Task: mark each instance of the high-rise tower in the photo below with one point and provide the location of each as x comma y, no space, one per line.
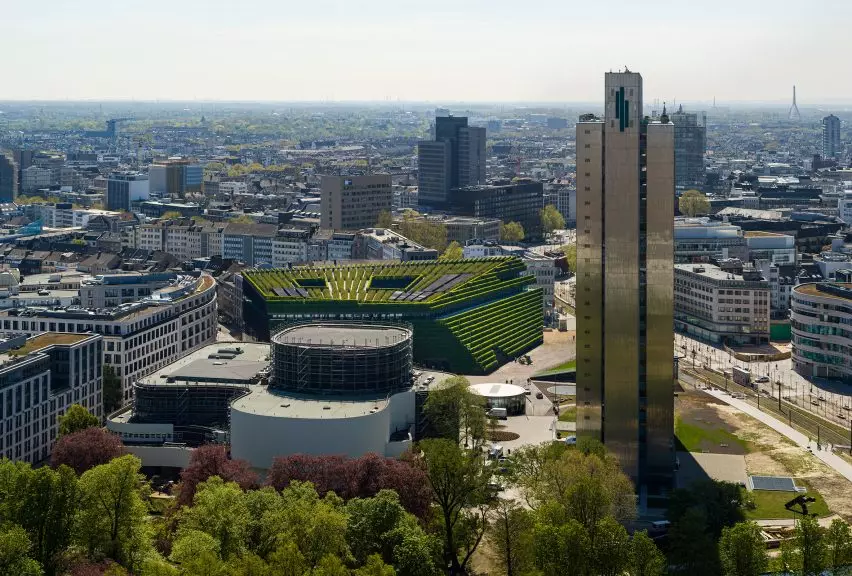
625,202
794,110
8,177
454,159
830,137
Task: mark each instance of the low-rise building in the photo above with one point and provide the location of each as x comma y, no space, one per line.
703,240
721,307
777,248
821,326
385,244
40,378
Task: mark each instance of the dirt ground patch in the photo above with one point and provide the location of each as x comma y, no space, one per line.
771,453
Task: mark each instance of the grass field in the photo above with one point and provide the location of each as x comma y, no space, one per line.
696,439
770,504
568,414
569,365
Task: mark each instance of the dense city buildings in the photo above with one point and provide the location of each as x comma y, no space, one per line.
454,159
625,196
720,306
354,202
702,240
124,188
518,201
175,177
8,177
690,146
820,317
830,136
40,378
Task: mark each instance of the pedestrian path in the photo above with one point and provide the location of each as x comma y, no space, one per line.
831,459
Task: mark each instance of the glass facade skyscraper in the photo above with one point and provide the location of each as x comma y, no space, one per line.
625,202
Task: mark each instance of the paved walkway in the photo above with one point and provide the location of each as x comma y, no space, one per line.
832,460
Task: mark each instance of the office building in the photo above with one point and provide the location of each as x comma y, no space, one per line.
124,188
40,378
625,202
703,240
722,307
35,178
454,159
830,137
516,201
354,202
175,177
690,130
384,244
777,248
820,319
8,178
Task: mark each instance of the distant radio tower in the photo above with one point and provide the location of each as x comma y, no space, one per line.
794,110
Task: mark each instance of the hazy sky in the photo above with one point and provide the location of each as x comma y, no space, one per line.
458,50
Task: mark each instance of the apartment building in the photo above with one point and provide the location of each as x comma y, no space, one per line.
290,245
354,202
821,326
384,244
139,337
40,377
718,306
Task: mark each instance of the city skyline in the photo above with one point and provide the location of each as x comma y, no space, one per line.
333,51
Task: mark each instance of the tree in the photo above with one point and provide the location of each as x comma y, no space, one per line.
719,502
692,203
838,540
570,251
111,519
551,219
197,553
15,549
562,549
453,252
76,418
511,232
375,566
811,543
691,547
85,449
219,510
112,390
742,550
454,411
645,558
212,460
171,215
512,537
610,548
385,220
458,481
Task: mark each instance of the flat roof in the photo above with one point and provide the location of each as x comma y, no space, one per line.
497,390
198,366
340,334
48,339
811,290
277,404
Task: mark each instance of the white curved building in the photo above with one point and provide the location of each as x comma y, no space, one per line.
509,396
821,324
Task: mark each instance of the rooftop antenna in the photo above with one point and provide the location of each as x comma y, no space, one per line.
794,110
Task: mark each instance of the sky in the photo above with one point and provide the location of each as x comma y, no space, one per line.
423,50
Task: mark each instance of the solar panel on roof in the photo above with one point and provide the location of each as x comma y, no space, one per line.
495,390
773,483
437,284
279,292
455,281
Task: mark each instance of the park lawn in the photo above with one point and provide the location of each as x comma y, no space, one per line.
568,414
564,367
770,504
694,438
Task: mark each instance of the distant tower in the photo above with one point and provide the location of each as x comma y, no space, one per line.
794,110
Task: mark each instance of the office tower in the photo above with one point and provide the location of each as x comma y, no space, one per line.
124,188
830,137
175,177
8,177
690,137
454,159
625,197
517,201
354,202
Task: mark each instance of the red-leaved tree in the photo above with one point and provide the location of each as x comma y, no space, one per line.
212,460
85,449
356,477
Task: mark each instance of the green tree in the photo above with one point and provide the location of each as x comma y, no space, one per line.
15,549
551,219
458,483
112,390
691,547
287,560
453,251
562,549
811,543
375,566
645,558
219,509
511,535
455,411
111,519
385,220
838,540
570,251
742,550
76,418
197,553
511,232
692,203
610,548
